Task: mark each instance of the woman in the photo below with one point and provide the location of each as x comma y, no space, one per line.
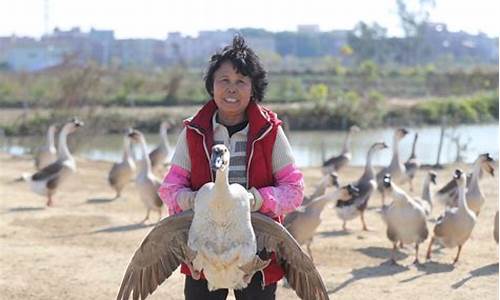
261,156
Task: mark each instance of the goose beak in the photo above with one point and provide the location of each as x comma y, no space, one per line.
433,178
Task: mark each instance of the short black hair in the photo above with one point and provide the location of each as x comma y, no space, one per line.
246,63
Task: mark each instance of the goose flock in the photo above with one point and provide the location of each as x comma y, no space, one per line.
230,262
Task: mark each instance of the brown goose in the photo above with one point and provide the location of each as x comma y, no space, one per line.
335,163
405,219
147,183
412,164
47,154
327,181
475,198
396,168
221,238
454,227
46,181
122,172
302,223
350,208
161,154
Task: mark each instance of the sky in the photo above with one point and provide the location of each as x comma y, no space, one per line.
155,18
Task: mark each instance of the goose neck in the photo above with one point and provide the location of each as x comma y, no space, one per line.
63,150
347,141
50,138
147,161
426,190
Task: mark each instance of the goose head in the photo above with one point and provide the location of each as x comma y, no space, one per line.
164,126
136,136
334,179
400,133
487,163
72,125
379,146
348,192
460,178
432,176
220,158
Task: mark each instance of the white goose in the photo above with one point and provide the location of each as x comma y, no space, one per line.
147,183
352,207
302,223
221,238
122,172
46,181
454,227
405,219
161,154
475,198
396,168
335,163
47,153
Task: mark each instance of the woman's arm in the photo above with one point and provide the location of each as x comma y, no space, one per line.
175,189
288,192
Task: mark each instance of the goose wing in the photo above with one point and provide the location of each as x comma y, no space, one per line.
336,161
299,268
161,252
448,194
48,172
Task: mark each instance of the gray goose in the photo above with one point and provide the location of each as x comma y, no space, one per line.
454,227
335,163
412,164
161,154
426,200
147,183
405,219
221,238
328,180
396,168
475,198
46,181
47,154
122,172
303,222
350,208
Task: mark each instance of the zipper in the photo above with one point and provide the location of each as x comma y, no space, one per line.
204,148
251,151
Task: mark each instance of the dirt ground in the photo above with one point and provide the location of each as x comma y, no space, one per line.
79,249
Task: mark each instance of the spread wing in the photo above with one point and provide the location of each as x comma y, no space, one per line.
448,194
299,268
161,252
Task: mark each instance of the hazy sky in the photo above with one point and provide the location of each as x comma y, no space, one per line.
153,19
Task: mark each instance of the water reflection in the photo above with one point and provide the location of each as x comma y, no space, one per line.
311,147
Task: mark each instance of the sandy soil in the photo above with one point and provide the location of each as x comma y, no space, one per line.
80,248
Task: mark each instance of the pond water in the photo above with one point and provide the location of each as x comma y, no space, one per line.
310,147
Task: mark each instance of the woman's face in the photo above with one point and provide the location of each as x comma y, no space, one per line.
232,92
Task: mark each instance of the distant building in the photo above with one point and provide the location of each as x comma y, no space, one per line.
34,57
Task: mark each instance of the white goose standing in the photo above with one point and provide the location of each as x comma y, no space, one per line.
396,168
454,227
47,153
122,172
147,183
221,238
46,181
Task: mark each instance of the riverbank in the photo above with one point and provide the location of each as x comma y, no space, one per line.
332,114
79,249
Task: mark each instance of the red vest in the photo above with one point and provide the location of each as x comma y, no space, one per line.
263,127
